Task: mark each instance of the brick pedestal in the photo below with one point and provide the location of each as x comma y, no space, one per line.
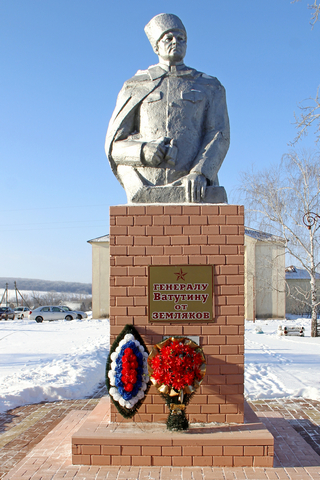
184,235
99,442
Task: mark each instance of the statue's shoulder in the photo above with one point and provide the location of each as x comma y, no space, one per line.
140,76
131,85
151,74
205,79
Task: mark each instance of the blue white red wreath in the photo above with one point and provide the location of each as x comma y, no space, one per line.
139,358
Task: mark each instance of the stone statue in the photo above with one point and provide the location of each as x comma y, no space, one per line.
169,132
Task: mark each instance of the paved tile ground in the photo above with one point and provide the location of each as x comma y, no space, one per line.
303,415
23,428
35,444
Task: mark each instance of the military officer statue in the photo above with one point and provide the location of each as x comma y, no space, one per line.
169,132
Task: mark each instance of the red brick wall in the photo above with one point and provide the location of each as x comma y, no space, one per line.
143,235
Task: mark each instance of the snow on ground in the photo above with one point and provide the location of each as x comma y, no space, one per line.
66,360
51,360
281,366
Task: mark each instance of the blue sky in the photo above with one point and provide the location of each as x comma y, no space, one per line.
63,63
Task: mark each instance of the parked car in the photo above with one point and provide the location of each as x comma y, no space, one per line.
6,313
50,313
80,315
22,312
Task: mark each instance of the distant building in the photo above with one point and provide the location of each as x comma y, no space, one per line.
264,275
298,290
100,276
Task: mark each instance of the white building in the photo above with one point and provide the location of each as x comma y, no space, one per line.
264,275
100,276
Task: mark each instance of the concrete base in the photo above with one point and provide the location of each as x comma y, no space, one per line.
99,442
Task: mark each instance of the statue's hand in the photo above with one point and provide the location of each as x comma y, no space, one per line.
195,185
153,153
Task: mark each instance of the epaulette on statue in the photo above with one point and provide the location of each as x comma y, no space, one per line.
140,76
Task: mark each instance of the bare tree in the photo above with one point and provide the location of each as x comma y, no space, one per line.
48,298
86,304
277,199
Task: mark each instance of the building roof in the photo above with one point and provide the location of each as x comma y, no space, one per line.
295,273
262,236
103,239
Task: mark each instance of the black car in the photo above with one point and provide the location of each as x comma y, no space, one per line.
6,313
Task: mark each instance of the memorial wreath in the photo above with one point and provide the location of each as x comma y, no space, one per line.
127,376
176,368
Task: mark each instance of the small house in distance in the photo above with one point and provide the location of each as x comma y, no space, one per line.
265,290
298,299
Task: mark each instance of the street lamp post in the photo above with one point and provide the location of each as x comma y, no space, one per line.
310,218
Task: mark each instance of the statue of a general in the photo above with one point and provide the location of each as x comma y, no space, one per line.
169,132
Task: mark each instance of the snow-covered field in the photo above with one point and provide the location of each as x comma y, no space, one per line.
51,360
66,360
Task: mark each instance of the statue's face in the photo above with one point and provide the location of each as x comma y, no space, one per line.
172,47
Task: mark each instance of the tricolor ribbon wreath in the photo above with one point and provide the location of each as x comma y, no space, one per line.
127,371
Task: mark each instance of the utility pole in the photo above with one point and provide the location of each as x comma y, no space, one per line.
5,295
18,292
4,298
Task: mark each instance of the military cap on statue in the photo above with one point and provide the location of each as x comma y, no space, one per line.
160,24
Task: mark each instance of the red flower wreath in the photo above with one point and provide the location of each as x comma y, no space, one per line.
177,365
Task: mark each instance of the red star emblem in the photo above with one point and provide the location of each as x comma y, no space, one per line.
181,275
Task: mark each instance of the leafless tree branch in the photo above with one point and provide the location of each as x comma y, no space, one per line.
315,8
309,115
